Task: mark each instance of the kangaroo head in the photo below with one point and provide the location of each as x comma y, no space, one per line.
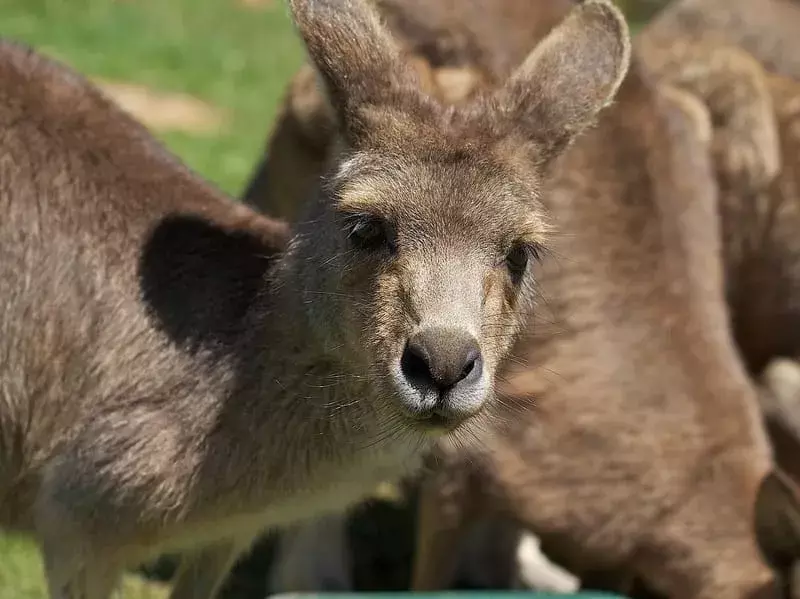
418,248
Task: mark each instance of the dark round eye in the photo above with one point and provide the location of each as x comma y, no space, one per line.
517,261
368,233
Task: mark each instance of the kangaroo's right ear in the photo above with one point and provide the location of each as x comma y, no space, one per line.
569,77
355,55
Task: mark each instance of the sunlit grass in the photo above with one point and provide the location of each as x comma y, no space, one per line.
231,56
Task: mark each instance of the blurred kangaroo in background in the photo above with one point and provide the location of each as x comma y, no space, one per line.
760,220
765,29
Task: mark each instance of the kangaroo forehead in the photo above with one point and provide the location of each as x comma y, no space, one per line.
474,193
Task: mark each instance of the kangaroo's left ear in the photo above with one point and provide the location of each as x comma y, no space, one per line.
572,74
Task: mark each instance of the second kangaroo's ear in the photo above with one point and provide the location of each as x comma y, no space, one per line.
355,55
569,77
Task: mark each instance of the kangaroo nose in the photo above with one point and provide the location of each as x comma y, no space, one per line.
441,358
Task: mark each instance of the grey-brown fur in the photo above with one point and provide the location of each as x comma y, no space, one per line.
759,222
765,29
175,376
618,482
732,85
761,252
719,49
636,382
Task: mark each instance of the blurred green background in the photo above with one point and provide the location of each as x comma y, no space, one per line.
222,62
234,55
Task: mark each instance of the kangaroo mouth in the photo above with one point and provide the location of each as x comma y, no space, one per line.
433,422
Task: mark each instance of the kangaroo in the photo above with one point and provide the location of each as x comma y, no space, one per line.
152,407
759,224
530,492
607,489
717,47
766,29
638,508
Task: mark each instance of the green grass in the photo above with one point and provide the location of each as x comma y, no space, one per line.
233,57
20,570
230,56
21,575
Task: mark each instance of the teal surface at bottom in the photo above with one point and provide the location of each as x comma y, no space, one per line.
452,595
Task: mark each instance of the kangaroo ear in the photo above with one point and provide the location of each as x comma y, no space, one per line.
573,73
356,57
777,521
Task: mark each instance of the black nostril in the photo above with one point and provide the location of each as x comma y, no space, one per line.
414,364
440,358
472,358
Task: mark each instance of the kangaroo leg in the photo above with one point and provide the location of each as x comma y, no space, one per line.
447,504
74,567
313,556
203,571
71,574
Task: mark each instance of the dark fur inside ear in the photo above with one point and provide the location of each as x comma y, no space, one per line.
570,76
355,55
777,521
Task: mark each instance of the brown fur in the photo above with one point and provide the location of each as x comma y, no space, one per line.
619,481
765,29
651,287
762,253
171,379
716,47
759,222
453,42
732,84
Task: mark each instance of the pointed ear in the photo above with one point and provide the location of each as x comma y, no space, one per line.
572,74
777,521
356,57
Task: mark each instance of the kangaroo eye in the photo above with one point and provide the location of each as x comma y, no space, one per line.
368,233
517,259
